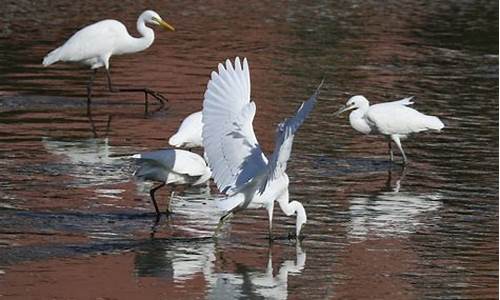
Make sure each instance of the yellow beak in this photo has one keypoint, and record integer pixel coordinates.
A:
(165, 25)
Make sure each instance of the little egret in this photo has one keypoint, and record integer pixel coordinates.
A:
(171, 166)
(189, 133)
(239, 167)
(393, 119)
(94, 45)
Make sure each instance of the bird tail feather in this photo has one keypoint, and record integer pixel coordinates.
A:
(52, 57)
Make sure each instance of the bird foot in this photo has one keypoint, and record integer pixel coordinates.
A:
(293, 236)
(162, 99)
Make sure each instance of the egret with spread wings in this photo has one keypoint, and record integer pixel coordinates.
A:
(239, 167)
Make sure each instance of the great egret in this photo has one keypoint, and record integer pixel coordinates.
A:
(94, 45)
(239, 167)
(394, 119)
(189, 133)
(171, 166)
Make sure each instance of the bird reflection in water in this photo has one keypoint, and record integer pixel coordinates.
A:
(187, 260)
(89, 162)
(391, 211)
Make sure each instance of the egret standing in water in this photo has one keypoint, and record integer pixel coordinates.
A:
(239, 167)
(189, 133)
(393, 119)
(172, 167)
(94, 45)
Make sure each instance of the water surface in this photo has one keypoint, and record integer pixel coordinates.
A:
(72, 216)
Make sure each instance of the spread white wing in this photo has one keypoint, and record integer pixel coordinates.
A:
(232, 150)
(284, 139)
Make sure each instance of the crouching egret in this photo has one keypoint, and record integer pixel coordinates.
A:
(94, 45)
(239, 167)
(173, 167)
(189, 133)
(393, 119)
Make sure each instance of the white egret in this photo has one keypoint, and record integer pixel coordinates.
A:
(173, 167)
(94, 45)
(189, 133)
(239, 167)
(393, 119)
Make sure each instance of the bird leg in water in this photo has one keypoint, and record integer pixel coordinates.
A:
(223, 220)
(152, 193)
(146, 91)
(168, 211)
(89, 90)
(396, 140)
(390, 150)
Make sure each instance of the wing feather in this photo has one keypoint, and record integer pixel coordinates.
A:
(284, 139)
(232, 150)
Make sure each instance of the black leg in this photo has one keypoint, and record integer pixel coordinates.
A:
(222, 220)
(390, 150)
(152, 193)
(146, 91)
(89, 90)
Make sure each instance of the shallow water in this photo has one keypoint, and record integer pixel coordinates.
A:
(72, 216)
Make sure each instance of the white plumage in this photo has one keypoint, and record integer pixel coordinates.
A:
(94, 45)
(239, 167)
(171, 166)
(189, 133)
(393, 119)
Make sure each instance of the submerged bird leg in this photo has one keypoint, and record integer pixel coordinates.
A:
(168, 211)
(89, 90)
(396, 140)
(223, 220)
(390, 150)
(152, 193)
(146, 91)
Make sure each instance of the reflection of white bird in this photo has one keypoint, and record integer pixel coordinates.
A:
(391, 213)
(89, 161)
(239, 167)
(94, 45)
(276, 287)
(394, 119)
(189, 133)
(184, 261)
(171, 166)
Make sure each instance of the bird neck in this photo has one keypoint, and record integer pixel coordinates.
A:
(357, 120)
(146, 39)
(291, 208)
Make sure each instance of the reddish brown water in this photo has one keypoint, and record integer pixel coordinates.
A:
(74, 224)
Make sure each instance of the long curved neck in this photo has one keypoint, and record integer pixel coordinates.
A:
(357, 120)
(291, 208)
(146, 39)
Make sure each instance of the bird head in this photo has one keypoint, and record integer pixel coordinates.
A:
(301, 218)
(151, 17)
(353, 103)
